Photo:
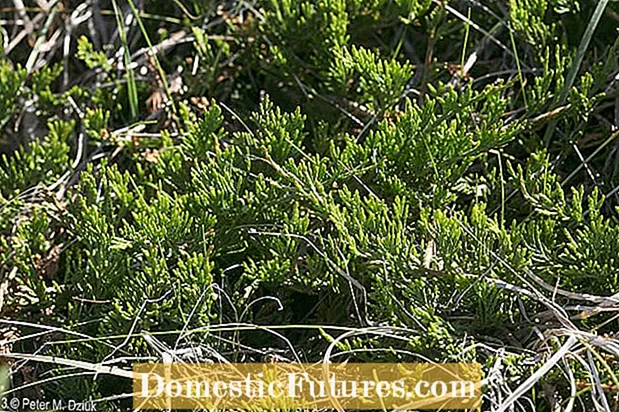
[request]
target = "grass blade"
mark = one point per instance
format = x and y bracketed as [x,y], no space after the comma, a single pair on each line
[575,66]
[131,85]
[153,53]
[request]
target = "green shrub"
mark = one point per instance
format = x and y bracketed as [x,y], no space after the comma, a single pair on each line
[311,167]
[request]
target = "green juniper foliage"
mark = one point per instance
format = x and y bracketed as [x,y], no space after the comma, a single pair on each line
[249,179]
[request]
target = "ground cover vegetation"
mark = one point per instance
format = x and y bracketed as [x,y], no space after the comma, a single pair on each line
[375,180]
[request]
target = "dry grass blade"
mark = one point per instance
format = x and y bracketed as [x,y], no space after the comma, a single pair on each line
[539,374]
[93,367]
